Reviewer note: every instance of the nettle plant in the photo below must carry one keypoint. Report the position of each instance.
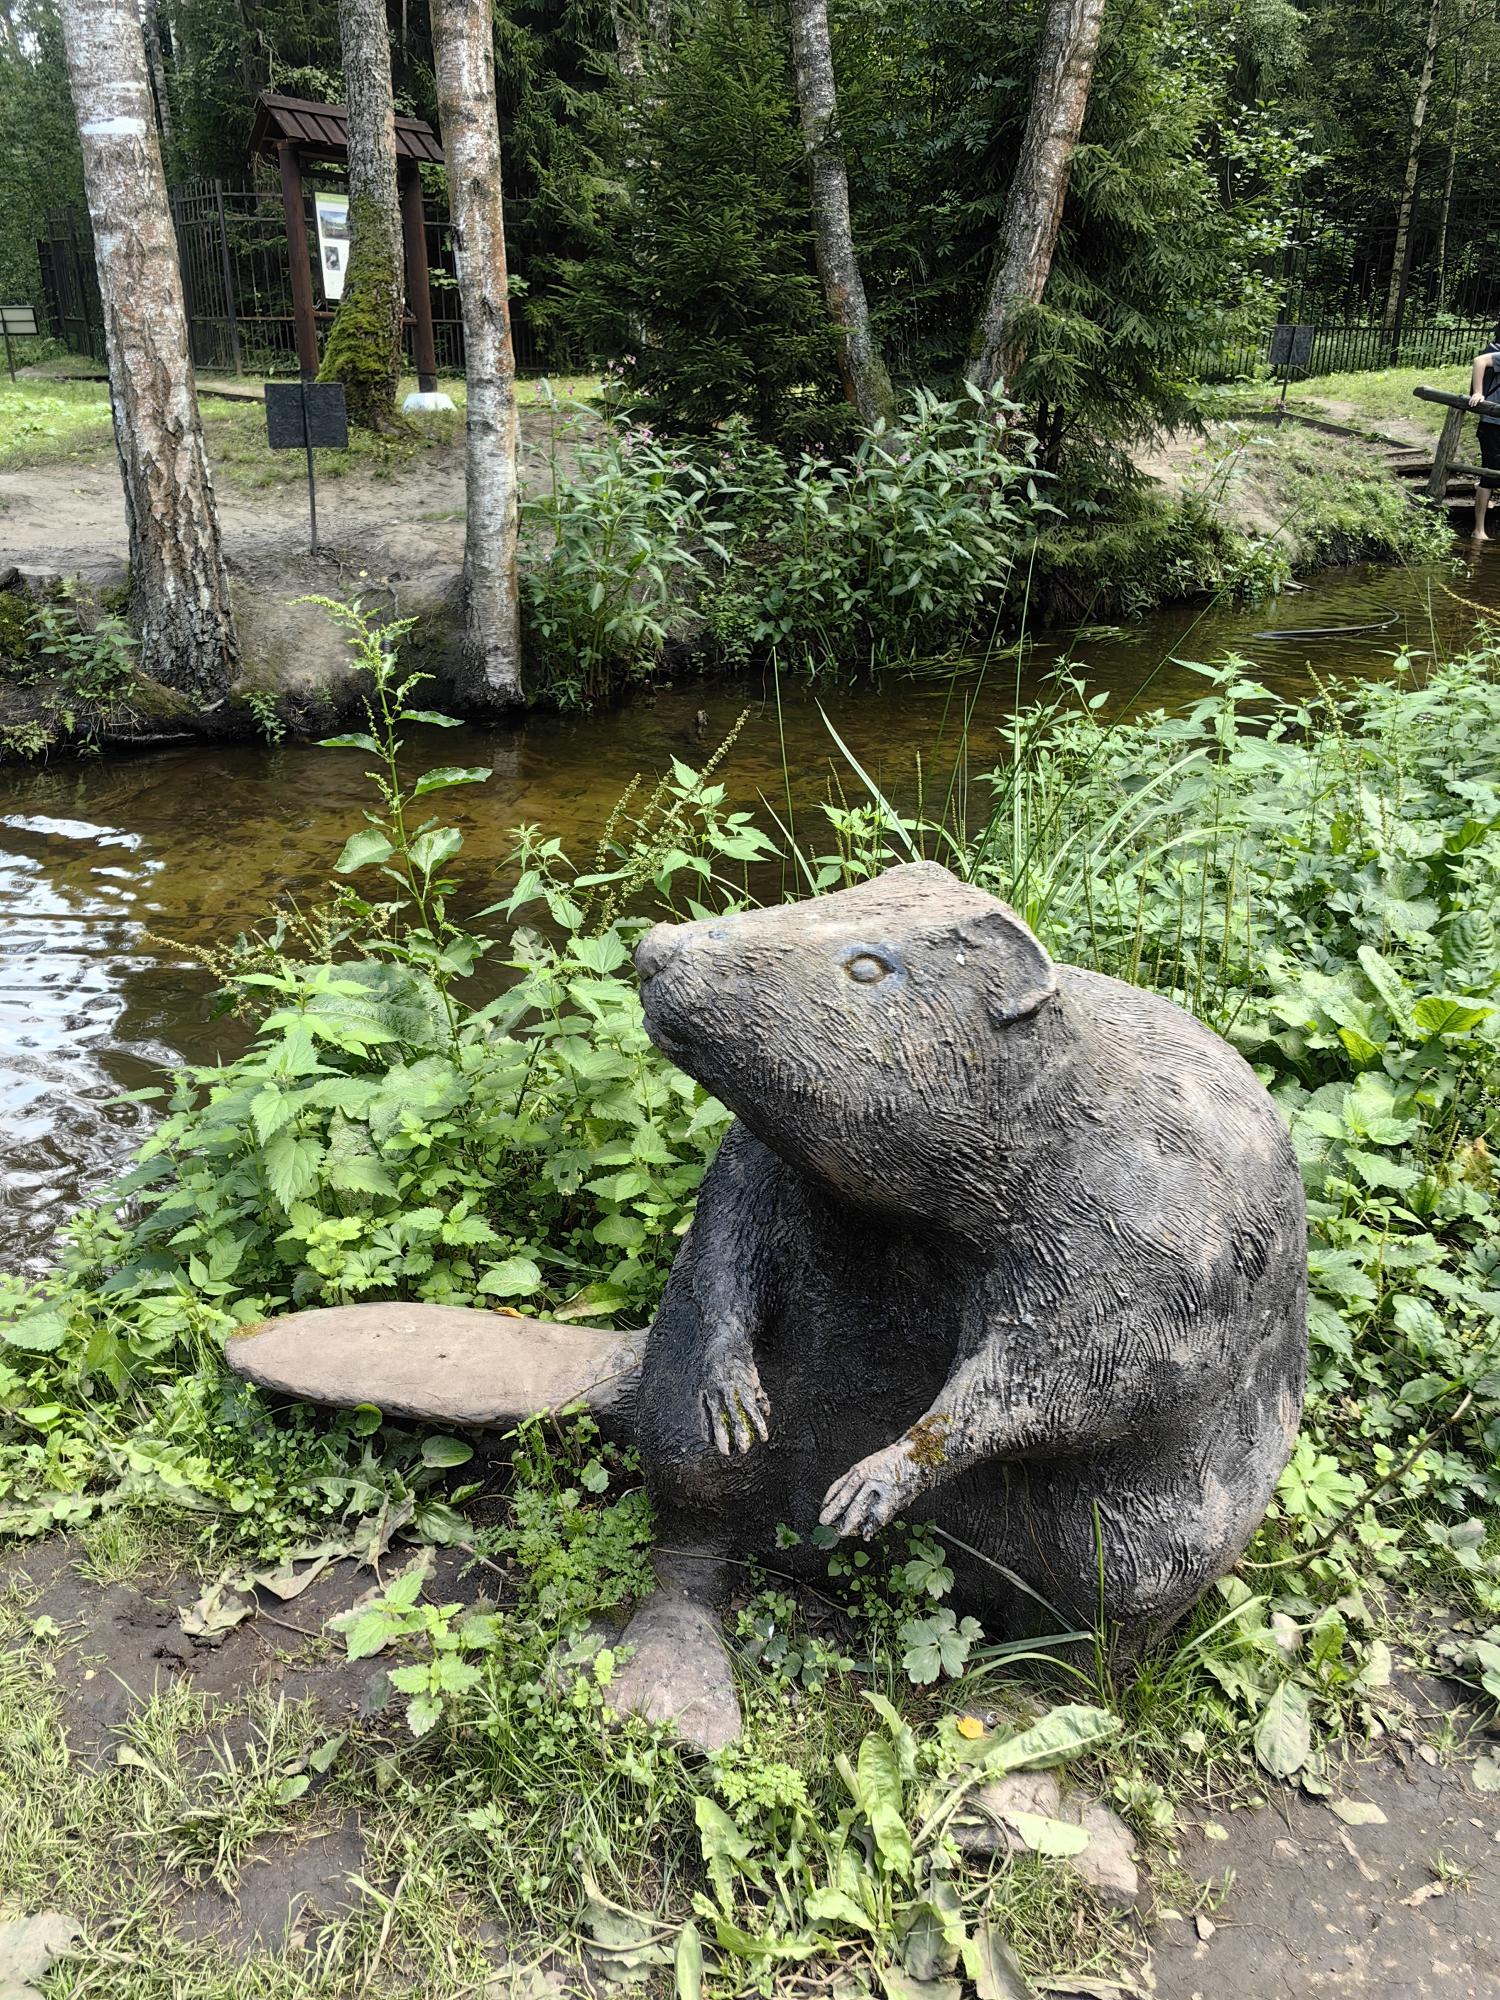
(384, 1135)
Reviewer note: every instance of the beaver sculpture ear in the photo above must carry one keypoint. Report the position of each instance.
(1019, 975)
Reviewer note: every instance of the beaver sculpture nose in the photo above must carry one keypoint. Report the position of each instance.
(658, 948)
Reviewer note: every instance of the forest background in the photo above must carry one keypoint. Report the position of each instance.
(658, 209)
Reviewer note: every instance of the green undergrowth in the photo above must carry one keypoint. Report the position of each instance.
(1239, 513)
(1316, 880)
(924, 541)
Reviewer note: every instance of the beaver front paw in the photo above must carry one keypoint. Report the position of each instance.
(871, 1493)
(734, 1406)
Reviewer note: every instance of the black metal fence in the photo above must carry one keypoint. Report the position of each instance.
(236, 281)
(1378, 295)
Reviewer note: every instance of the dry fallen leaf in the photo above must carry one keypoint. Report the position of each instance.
(1355, 1812)
(1423, 1895)
(28, 1946)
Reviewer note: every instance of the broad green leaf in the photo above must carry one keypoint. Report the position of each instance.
(881, 1797)
(443, 1451)
(512, 1278)
(291, 1165)
(363, 850)
(432, 716)
(1441, 1014)
(422, 1711)
(444, 775)
(688, 1964)
(1061, 1734)
(1387, 982)
(726, 1851)
(38, 1333)
(1055, 1838)
(899, 1732)
(992, 1965)
(834, 1906)
(431, 849)
(358, 1173)
(369, 1633)
(353, 741)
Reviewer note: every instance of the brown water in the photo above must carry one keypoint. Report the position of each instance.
(104, 856)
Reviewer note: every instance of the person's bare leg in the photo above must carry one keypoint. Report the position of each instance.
(1481, 507)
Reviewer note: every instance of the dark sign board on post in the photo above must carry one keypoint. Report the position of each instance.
(302, 415)
(16, 319)
(1291, 346)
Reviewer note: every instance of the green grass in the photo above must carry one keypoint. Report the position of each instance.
(1376, 398)
(49, 422)
(57, 421)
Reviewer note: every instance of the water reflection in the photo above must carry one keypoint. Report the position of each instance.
(106, 858)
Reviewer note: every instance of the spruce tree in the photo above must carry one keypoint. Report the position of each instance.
(702, 277)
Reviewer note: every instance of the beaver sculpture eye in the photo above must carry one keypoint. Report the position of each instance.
(866, 968)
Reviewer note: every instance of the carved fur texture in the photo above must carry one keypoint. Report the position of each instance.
(996, 1243)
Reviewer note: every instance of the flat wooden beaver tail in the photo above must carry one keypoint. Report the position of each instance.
(456, 1366)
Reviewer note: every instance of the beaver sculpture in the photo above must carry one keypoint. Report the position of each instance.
(996, 1244)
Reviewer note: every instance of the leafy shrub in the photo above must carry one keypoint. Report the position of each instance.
(909, 544)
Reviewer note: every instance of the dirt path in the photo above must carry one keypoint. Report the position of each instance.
(1283, 1900)
(69, 518)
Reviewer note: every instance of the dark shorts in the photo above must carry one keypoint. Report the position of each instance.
(1489, 454)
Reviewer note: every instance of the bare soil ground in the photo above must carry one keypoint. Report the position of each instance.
(68, 518)
(1283, 1899)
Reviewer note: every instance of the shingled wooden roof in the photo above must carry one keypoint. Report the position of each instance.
(322, 130)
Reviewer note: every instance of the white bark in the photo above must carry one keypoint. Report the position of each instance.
(180, 592)
(1034, 204)
(463, 54)
(866, 382)
(1413, 161)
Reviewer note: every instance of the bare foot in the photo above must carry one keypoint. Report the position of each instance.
(1479, 536)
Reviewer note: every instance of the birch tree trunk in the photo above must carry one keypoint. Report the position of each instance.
(179, 589)
(867, 385)
(364, 342)
(1413, 161)
(464, 59)
(627, 40)
(1456, 125)
(1034, 205)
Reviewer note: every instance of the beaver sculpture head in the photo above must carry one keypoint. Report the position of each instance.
(876, 1038)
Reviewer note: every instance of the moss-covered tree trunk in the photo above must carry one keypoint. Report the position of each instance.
(464, 59)
(179, 587)
(364, 343)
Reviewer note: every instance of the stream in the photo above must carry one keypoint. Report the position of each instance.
(115, 863)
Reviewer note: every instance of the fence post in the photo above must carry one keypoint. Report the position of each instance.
(231, 310)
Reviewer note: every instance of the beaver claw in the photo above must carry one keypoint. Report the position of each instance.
(735, 1407)
(870, 1494)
